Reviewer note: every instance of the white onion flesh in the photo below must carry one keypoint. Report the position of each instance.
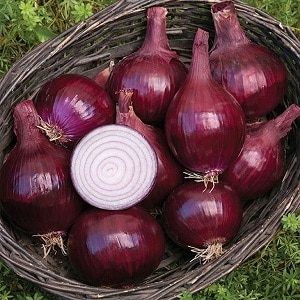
(113, 167)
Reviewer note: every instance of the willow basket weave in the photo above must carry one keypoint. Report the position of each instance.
(89, 47)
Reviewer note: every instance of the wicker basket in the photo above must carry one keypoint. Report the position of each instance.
(89, 47)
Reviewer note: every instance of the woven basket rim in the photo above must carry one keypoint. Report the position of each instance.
(29, 266)
(132, 6)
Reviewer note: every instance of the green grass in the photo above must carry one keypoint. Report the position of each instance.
(273, 273)
(24, 24)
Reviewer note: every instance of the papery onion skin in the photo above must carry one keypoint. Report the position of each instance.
(154, 72)
(35, 186)
(102, 76)
(205, 125)
(194, 217)
(253, 74)
(261, 163)
(169, 171)
(72, 105)
(115, 248)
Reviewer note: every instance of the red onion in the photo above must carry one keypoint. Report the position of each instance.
(204, 124)
(261, 162)
(169, 173)
(71, 105)
(35, 184)
(253, 74)
(115, 248)
(154, 72)
(113, 167)
(203, 221)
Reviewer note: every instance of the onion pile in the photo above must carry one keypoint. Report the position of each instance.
(94, 157)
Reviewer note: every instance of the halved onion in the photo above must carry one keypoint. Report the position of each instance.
(113, 167)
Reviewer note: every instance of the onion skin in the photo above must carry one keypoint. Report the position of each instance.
(154, 72)
(205, 125)
(35, 184)
(261, 163)
(102, 76)
(253, 74)
(169, 171)
(197, 218)
(72, 105)
(115, 248)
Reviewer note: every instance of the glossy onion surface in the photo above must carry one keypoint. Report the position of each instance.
(115, 248)
(205, 125)
(253, 74)
(169, 171)
(72, 105)
(35, 185)
(154, 72)
(198, 218)
(261, 163)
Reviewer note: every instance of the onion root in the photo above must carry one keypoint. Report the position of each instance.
(50, 240)
(211, 177)
(209, 253)
(53, 132)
